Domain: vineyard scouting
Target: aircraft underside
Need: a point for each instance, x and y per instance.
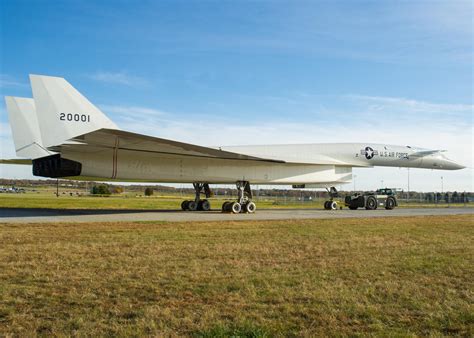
(127, 165)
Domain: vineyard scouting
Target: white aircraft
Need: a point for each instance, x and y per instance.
(62, 134)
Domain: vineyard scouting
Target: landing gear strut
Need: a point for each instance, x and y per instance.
(198, 203)
(244, 200)
(331, 204)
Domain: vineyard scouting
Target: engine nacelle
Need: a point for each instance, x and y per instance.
(55, 166)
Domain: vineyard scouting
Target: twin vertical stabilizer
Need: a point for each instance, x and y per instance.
(56, 114)
(25, 127)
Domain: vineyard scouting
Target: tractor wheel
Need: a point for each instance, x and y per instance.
(390, 203)
(371, 203)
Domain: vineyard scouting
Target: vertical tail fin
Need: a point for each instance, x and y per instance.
(25, 128)
(63, 112)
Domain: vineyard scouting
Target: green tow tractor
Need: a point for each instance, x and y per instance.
(371, 200)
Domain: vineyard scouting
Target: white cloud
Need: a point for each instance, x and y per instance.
(412, 106)
(130, 110)
(120, 78)
(7, 81)
(7, 149)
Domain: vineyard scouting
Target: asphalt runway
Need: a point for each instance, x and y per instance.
(18, 215)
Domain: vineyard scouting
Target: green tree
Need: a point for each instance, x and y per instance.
(101, 189)
(148, 191)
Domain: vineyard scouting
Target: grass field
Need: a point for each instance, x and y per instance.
(404, 276)
(46, 199)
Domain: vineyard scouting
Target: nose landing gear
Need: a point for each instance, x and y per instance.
(331, 204)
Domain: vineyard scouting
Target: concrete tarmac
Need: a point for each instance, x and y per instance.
(18, 215)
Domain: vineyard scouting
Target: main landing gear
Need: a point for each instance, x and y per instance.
(243, 204)
(244, 201)
(198, 203)
(331, 204)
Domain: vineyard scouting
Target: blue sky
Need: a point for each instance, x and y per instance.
(241, 72)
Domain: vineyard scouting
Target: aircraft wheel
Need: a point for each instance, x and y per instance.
(390, 203)
(205, 205)
(332, 205)
(371, 203)
(184, 205)
(224, 206)
(235, 207)
(192, 206)
(250, 207)
(327, 205)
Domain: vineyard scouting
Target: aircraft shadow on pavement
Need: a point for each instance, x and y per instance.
(6, 213)
(47, 212)
(39, 212)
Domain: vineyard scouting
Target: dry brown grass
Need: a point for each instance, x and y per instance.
(397, 276)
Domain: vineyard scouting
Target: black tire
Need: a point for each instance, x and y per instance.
(192, 206)
(250, 207)
(225, 206)
(390, 203)
(371, 203)
(184, 205)
(347, 200)
(205, 205)
(352, 207)
(332, 205)
(235, 208)
(326, 207)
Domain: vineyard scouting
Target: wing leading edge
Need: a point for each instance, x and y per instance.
(119, 139)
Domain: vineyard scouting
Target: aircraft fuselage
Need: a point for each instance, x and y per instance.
(325, 164)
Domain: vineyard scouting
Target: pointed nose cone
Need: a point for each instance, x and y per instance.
(451, 165)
